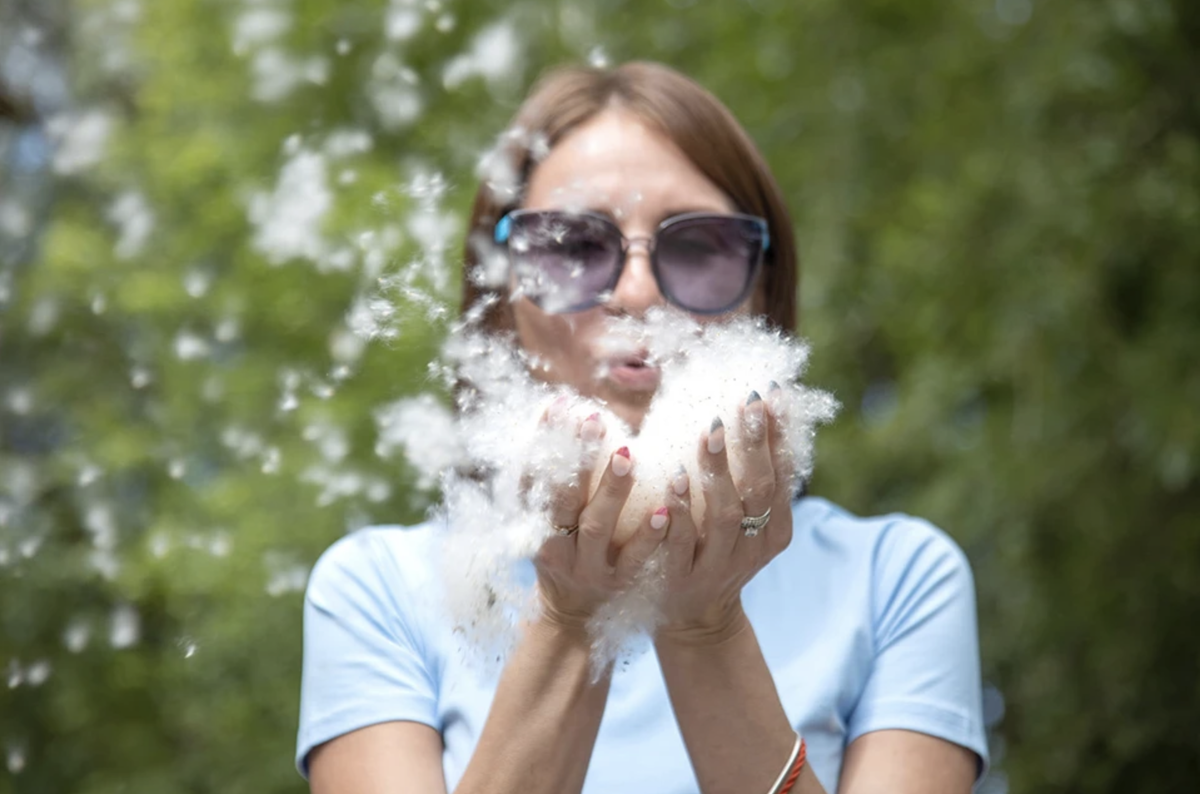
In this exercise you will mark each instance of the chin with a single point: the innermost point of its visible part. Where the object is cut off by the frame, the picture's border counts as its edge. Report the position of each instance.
(630, 414)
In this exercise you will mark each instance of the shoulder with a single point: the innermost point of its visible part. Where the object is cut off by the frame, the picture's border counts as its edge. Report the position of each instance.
(906, 590)
(885, 544)
(888, 570)
(370, 644)
(378, 563)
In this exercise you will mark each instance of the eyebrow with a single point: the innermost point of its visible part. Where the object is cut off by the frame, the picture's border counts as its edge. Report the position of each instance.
(672, 212)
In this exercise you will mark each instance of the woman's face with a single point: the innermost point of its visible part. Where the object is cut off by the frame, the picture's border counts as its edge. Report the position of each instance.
(616, 166)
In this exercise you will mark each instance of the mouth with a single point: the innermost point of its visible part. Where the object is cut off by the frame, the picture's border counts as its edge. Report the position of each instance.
(634, 372)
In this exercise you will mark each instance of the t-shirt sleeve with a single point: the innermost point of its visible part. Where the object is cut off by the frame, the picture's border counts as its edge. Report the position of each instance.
(925, 675)
(363, 658)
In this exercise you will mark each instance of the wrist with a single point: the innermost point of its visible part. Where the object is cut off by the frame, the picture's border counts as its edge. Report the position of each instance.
(568, 642)
(719, 625)
(561, 623)
(560, 612)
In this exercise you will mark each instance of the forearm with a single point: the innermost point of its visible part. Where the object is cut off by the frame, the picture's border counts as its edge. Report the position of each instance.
(724, 698)
(542, 726)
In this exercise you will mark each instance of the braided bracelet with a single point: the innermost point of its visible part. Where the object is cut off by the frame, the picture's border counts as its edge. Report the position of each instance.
(791, 771)
(797, 765)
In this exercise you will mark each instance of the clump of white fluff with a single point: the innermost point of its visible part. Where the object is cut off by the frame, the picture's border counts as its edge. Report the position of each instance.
(513, 458)
(708, 372)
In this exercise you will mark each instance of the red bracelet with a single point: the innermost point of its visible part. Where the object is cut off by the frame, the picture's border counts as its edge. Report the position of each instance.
(794, 775)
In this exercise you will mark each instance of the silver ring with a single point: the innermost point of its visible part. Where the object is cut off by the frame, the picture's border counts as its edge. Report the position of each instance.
(752, 524)
(564, 532)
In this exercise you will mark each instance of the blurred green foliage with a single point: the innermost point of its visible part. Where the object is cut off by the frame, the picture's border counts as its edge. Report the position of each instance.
(998, 203)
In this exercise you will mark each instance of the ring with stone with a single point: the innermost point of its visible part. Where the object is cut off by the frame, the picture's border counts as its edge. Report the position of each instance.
(752, 524)
(564, 532)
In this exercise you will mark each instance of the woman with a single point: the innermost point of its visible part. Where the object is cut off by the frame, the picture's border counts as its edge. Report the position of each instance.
(858, 634)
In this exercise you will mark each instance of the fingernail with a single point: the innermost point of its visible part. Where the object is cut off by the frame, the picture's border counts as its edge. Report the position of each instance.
(556, 410)
(591, 428)
(680, 483)
(753, 413)
(716, 437)
(659, 519)
(774, 392)
(621, 464)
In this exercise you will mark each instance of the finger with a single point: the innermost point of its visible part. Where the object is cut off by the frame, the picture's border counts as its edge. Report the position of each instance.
(567, 500)
(556, 411)
(633, 556)
(681, 535)
(532, 488)
(557, 553)
(782, 461)
(756, 481)
(599, 516)
(722, 504)
(779, 528)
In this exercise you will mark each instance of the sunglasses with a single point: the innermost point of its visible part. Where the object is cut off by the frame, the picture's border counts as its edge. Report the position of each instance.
(704, 263)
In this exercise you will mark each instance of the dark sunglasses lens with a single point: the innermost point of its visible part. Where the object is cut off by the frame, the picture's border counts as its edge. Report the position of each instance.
(707, 264)
(564, 262)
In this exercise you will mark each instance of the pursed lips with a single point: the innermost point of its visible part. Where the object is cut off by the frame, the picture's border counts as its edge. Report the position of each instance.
(632, 372)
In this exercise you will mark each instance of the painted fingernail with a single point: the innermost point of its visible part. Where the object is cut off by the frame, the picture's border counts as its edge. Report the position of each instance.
(659, 519)
(592, 428)
(621, 464)
(716, 437)
(679, 484)
(753, 413)
(557, 410)
(774, 392)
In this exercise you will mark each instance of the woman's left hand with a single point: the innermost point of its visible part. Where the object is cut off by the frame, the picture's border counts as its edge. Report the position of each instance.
(708, 565)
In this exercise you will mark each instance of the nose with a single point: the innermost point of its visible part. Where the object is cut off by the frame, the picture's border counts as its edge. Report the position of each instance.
(636, 289)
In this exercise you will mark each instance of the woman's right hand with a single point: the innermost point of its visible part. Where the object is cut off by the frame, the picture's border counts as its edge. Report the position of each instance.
(579, 572)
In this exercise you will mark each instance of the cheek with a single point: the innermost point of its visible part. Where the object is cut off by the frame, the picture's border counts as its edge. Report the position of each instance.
(757, 304)
(754, 306)
(758, 301)
(562, 340)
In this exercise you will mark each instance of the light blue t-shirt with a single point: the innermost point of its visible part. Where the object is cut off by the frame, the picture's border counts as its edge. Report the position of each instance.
(866, 624)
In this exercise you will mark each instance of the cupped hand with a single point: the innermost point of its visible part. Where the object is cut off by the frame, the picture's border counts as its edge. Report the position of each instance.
(710, 557)
(578, 566)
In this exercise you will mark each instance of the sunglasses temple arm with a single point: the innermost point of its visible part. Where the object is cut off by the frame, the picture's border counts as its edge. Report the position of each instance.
(503, 229)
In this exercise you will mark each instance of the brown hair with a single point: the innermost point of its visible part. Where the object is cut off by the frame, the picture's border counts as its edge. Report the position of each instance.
(691, 117)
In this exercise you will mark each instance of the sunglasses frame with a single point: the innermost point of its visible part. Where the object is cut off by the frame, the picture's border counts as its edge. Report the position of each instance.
(503, 231)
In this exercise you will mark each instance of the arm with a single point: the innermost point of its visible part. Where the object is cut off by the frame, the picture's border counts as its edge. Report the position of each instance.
(723, 695)
(900, 761)
(543, 722)
(724, 698)
(538, 736)
(739, 737)
(733, 723)
(919, 715)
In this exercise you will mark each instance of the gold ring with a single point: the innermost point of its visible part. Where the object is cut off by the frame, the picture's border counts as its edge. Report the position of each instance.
(564, 532)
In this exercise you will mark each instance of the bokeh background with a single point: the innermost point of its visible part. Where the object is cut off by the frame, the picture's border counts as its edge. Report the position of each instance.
(229, 238)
